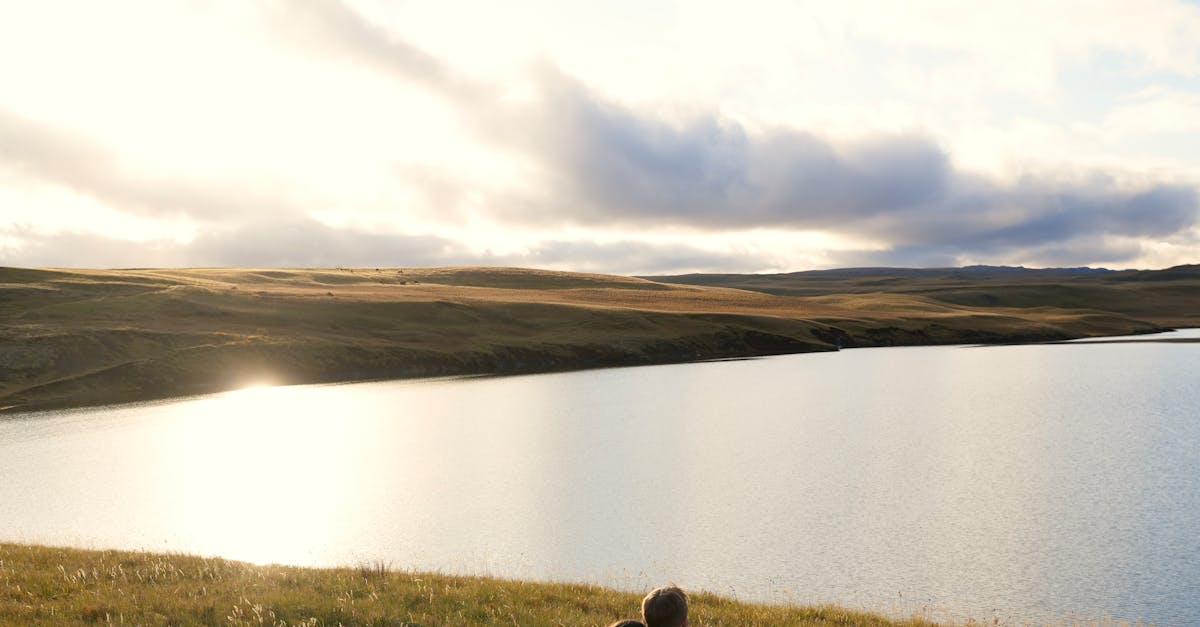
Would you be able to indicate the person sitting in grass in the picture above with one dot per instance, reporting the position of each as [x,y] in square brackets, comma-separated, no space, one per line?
[665,607]
[628,622]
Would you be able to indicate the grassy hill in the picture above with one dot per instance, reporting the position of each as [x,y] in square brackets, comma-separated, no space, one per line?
[85,337]
[1169,297]
[53,586]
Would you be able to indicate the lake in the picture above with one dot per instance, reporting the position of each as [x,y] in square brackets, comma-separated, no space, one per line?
[1013,482]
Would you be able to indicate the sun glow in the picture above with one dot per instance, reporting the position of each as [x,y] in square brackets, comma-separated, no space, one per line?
[255,388]
[241,496]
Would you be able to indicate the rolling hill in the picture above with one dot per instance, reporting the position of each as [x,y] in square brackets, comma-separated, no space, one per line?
[85,337]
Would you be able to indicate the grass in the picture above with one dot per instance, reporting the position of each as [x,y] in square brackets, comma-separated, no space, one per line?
[1169,297]
[87,337]
[56,586]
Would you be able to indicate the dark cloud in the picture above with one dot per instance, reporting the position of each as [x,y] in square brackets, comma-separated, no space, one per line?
[1040,221]
[614,164]
[618,166]
[50,155]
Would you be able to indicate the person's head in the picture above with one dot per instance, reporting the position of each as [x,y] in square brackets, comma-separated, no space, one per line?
[628,622]
[665,607]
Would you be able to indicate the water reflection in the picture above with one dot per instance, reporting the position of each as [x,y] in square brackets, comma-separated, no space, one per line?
[1039,480]
[260,474]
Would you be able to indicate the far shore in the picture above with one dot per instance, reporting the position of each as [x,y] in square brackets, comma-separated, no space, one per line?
[1150,337]
[78,338]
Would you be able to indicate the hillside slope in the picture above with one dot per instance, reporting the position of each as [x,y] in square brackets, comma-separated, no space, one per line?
[1169,297]
[83,337]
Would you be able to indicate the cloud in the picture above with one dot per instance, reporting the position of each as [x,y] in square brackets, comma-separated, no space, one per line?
[1155,111]
[334,26]
[616,166]
[283,243]
[1155,35]
[26,247]
[1098,251]
[613,165]
[634,257]
[47,154]
[308,243]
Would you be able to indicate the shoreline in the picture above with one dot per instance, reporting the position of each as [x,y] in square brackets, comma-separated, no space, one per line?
[415,373]
[37,406]
[20,410]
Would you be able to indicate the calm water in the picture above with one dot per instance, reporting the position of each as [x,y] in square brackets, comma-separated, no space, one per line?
[1020,482]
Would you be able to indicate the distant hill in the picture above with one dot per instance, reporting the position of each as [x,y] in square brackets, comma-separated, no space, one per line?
[977,272]
[1169,297]
[82,337]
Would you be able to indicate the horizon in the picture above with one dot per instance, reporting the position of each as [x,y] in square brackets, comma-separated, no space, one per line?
[1092,269]
[630,139]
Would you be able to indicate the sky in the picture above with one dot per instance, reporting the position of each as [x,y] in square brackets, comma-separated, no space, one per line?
[627,137]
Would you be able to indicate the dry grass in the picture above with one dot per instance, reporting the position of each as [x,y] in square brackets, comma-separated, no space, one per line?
[1169,297]
[53,586]
[514,285]
[85,337]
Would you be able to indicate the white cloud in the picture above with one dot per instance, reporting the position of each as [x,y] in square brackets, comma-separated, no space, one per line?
[1154,111]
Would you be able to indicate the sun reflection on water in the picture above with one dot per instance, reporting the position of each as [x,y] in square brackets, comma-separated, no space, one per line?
[261,475]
